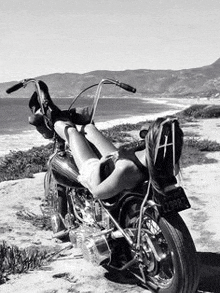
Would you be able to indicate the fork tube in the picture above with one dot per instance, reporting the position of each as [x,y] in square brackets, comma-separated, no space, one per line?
[174,151]
[141,215]
[97,95]
[127,237]
[96,99]
[95,102]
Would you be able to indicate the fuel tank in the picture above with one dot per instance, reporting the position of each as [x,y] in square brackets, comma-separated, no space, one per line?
[64,169]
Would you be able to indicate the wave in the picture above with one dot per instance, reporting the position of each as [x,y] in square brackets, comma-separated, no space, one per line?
[31,138]
[136,119]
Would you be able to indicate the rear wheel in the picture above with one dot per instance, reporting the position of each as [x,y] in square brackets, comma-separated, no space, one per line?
[169,258]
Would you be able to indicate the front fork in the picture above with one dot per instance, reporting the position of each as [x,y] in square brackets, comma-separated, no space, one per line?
[134,239]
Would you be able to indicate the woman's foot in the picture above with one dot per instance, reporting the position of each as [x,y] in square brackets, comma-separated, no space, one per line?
[49,109]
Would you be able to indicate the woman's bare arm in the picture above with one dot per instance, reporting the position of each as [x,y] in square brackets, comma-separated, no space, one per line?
[125,176]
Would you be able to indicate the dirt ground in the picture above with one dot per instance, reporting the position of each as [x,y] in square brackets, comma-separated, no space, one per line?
[71,273]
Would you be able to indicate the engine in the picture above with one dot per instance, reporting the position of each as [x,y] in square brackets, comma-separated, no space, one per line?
[93,233]
[93,244]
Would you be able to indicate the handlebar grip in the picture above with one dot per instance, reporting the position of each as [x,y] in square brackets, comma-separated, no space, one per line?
[127,87]
[14,88]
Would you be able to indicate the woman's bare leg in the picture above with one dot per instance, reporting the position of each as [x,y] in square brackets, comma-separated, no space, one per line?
[79,146]
[103,145]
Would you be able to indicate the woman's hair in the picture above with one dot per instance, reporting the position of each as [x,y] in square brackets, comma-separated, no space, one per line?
[164,142]
[131,147]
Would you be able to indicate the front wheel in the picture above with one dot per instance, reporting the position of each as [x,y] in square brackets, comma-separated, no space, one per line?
[56,197]
[169,259]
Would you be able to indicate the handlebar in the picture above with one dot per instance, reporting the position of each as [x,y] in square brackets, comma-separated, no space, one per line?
[126,87]
[40,90]
[15,87]
[20,84]
[98,91]
[24,82]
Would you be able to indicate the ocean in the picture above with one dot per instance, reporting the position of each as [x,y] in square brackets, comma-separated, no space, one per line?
[17,134]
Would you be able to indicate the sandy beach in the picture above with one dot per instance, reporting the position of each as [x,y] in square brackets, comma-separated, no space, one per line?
[29,138]
[70,273]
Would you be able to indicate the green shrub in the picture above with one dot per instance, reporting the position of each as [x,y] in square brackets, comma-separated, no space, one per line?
[211,112]
[16,261]
[193,111]
[201,111]
[23,164]
[203,145]
[119,133]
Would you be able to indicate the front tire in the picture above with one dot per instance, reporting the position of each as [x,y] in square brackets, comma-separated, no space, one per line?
[56,198]
[175,268]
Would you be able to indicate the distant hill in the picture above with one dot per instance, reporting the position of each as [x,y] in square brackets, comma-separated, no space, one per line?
[202,82]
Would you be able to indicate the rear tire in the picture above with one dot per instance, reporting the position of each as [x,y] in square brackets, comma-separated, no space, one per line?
[177,271]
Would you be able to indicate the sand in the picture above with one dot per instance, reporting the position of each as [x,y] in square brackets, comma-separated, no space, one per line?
[71,273]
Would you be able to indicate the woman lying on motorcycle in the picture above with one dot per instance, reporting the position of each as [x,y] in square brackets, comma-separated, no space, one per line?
[122,169]
[125,168]
[108,170]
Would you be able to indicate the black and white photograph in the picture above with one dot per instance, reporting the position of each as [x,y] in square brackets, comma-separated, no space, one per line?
[109,146]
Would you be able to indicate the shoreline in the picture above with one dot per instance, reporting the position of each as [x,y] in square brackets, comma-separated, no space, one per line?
[28,139]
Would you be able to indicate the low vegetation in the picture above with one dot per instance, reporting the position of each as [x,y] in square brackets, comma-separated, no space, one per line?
[15,261]
[20,164]
[23,164]
[201,111]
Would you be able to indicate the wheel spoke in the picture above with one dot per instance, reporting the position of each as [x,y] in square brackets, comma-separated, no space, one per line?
[165,244]
[162,272]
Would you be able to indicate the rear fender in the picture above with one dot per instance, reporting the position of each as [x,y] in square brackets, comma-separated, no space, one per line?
[136,198]
[126,199]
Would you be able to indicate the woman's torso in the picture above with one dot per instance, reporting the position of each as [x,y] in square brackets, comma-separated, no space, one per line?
[134,160]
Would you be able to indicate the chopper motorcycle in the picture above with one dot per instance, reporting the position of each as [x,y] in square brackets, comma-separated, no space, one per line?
[130,232]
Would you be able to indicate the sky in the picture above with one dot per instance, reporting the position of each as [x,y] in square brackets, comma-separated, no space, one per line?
[39,37]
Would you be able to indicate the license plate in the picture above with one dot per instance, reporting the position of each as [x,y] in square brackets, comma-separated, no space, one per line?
[174,201]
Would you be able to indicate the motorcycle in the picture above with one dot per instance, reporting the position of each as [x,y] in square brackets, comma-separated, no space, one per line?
[130,232]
